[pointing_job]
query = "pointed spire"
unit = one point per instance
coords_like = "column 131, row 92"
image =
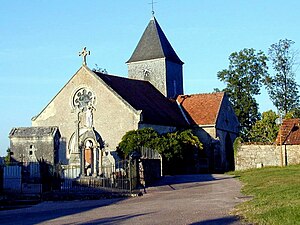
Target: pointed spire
column 153, row 45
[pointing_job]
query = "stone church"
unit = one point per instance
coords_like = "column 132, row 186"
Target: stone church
column 83, row 124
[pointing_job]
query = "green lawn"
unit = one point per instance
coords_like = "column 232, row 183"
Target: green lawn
column 276, row 195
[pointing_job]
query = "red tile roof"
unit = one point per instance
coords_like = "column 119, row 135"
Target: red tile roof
column 290, row 132
column 203, row 109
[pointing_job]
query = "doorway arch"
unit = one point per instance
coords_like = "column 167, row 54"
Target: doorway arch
column 230, row 166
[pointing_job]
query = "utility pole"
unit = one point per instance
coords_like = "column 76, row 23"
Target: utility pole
column 278, row 121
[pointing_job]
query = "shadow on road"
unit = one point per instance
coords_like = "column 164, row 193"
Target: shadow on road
column 113, row 220
column 193, row 178
column 48, row 211
column 51, row 210
column 229, row 220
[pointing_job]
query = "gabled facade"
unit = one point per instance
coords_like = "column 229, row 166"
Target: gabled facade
column 87, row 103
column 93, row 111
column 213, row 120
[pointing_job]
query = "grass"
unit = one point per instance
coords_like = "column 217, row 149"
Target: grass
column 276, row 195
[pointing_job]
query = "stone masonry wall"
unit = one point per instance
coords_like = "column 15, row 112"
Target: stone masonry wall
column 157, row 67
column 31, row 149
column 112, row 117
column 256, row 156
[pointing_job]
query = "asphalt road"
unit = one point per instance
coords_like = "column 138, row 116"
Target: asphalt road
column 188, row 199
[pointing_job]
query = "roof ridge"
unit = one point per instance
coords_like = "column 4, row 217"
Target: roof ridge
column 288, row 134
column 118, row 77
column 212, row 93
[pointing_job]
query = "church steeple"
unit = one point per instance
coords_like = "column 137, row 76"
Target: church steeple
column 153, row 45
column 155, row 60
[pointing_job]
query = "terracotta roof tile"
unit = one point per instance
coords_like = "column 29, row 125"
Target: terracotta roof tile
column 203, row 109
column 290, row 132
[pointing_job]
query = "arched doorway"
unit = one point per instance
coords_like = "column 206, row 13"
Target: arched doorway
column 229, row 153
column 88, row 157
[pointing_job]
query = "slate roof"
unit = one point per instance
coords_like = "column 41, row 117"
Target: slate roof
column 202, row 109
column 33, row 131
column 153, row 45
column 142, row 95
column 290, row 132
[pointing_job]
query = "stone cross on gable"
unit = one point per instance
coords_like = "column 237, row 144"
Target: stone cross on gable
column 84, row 53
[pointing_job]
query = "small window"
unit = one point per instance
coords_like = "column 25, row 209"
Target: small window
column 30, row 152
column 31, row 146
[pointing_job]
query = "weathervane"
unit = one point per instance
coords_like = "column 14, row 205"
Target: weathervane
column 152, row 3
column 84, row 53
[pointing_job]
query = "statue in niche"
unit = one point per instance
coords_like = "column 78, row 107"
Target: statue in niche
column 89, row 116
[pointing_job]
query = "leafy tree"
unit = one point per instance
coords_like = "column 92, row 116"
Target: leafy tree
column 265, row 130
column 178, row 149
column 7, row 158
column 294, row 113
column 244, row 78
column 99, row 69
column 177, row 144
column 135, row 139
column 216, row 90
column 282, row 87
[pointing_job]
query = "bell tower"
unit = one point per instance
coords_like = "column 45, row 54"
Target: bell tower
column 155, row 60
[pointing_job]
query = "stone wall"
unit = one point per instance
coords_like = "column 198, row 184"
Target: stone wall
column 32, row 149
column 174, row 84
column 136, row 70
column 164, row 75
column 112, row 116
column 256, row 156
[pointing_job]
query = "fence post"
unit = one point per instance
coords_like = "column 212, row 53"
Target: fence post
column 130, row 181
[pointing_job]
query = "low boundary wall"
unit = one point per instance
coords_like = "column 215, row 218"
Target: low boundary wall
column 257, row 155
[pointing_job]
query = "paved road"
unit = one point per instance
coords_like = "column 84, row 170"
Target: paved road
column 189, row 199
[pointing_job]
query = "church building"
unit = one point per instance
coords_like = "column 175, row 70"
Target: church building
column 83, row 124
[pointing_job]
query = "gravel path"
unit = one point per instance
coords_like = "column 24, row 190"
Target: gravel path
column 187, row 199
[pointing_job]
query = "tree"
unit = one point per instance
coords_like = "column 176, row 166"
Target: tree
column 7, row 158
column 266, row 129
column 282, row 87
column 294, row 113
column 176, row 145
column 135, row 139
column 179, row 149
column 99, row 69
column 244, row 78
